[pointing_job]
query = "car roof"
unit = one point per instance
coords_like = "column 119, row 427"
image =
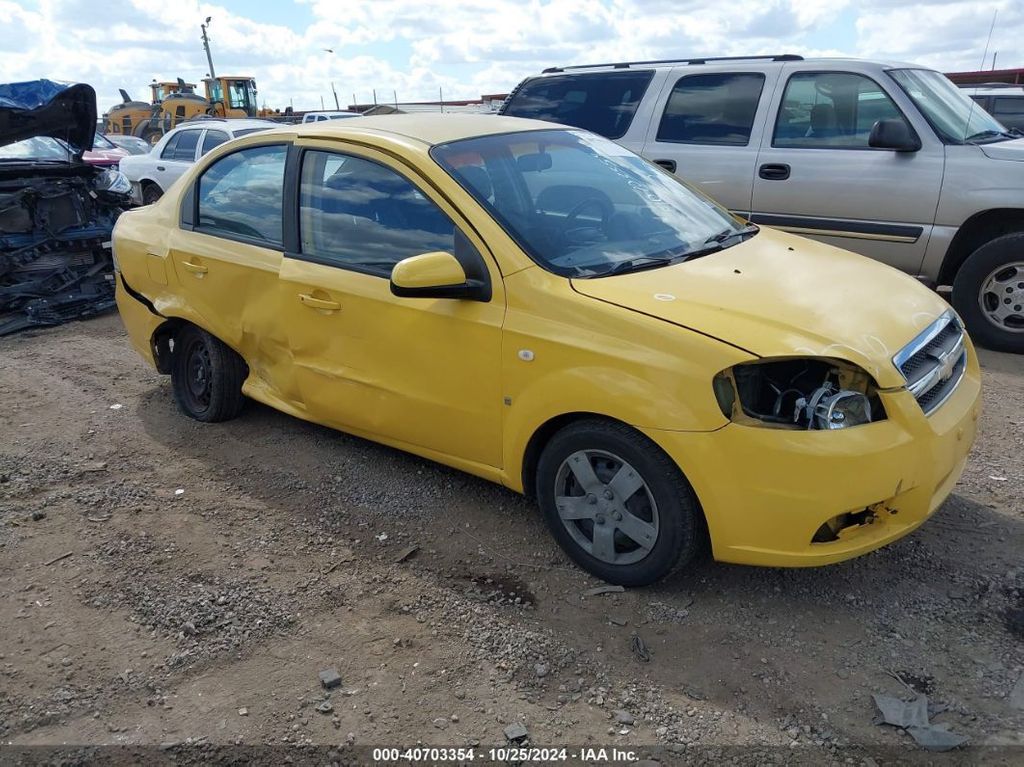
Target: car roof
column 234, row 124
column 729, row 62
column 994, row 90
column 430, row 129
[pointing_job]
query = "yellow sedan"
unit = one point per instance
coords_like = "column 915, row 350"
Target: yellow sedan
column 540, row 307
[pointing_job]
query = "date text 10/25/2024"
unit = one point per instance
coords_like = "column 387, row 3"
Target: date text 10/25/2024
column 438, row 754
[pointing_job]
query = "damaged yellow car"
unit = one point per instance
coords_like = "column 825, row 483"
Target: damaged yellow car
column 540, row 307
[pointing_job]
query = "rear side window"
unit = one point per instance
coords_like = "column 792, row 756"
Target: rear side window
column 212, row 139
column 602, row 102
column 167, row 153
column 240, row 195
column 712, row 109
column 1008, row 105
column 185, row 149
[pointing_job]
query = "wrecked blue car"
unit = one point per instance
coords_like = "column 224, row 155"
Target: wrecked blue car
column 56, row 212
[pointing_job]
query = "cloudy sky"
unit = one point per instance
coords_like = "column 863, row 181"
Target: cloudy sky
column 466, row 47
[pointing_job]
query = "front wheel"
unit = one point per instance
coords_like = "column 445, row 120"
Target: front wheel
column 988, row 292
column 207, row 376
column 617, row 504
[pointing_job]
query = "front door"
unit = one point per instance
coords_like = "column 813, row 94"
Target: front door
column 423, row 372
column 816, row 174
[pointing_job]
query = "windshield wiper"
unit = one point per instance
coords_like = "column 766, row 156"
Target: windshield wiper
column 727, row 234
column 712, row 244
column 990, row 134
column 638, row 264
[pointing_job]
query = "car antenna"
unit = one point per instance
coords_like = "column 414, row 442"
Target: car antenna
column 984, row 55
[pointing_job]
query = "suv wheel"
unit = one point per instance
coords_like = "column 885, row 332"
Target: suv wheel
column 207, row 376
column 988, row 292
column 617, row 504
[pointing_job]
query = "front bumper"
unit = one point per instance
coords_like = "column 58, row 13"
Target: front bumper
column 766, row 492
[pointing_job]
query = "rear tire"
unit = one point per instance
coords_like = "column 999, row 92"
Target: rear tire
column 988, row 293
column 207, row 376
column 617, row 504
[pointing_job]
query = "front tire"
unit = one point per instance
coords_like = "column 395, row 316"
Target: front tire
column 206, row 376
column 617, row 504
column 988, row 292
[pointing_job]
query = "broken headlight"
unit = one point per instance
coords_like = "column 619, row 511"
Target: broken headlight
column 799, row 394
column 113, row 182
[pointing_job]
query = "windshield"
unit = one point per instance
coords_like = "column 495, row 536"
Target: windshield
column 36, row 148
column 953, row 115
column 583, row 206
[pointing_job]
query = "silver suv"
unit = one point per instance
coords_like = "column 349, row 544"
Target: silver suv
column 889, row 160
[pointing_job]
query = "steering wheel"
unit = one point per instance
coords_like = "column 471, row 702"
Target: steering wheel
column 602, row 205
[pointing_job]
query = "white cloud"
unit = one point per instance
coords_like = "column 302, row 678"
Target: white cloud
column 467, row 47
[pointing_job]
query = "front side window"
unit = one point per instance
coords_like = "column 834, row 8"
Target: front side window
column 831, row 110
column 213, row 138
column 185, row 149
column 948, row 110
column 240, row 195
column 602, row 102
column 712, row 109
column 358, row 214
column 583, row 206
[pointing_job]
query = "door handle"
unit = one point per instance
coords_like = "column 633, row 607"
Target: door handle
column 197, row 269
column 160, row 167
column 774, row 171
column 319, row 303
column 669, row 165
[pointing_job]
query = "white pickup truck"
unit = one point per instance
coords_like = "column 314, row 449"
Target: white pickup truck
column 889, row 160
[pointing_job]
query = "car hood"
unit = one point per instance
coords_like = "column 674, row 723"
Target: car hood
column 778, row 295
column 47, row 108
column 1004, row 150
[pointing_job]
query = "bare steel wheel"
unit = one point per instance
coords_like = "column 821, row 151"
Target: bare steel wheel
column 606, row 507
column 206, row 376
column 1002, row 297
column 617, row 503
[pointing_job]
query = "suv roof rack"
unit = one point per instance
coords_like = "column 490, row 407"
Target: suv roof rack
column 702, row 60
column 990, row 85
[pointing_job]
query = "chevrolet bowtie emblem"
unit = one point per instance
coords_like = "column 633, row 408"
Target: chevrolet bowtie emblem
column 946, row 365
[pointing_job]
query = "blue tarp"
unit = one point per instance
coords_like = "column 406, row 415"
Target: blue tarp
column 31, row 94
column 48, row 108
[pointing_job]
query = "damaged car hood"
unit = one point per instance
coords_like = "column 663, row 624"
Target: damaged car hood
column 47, row 108
column 779, row 295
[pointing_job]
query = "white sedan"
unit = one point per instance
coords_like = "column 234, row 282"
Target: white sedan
column 153, row 173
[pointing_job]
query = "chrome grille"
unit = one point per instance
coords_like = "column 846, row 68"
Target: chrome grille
column 933, row 364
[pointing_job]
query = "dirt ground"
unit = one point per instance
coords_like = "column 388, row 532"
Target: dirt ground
column 168, row 582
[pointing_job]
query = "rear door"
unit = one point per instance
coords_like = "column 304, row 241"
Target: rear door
column 816, row 174
column 227, row 253
column 707, row 126
column 177, row 156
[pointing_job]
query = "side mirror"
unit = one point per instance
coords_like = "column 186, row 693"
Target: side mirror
column 893, row 134
column 436, row 275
